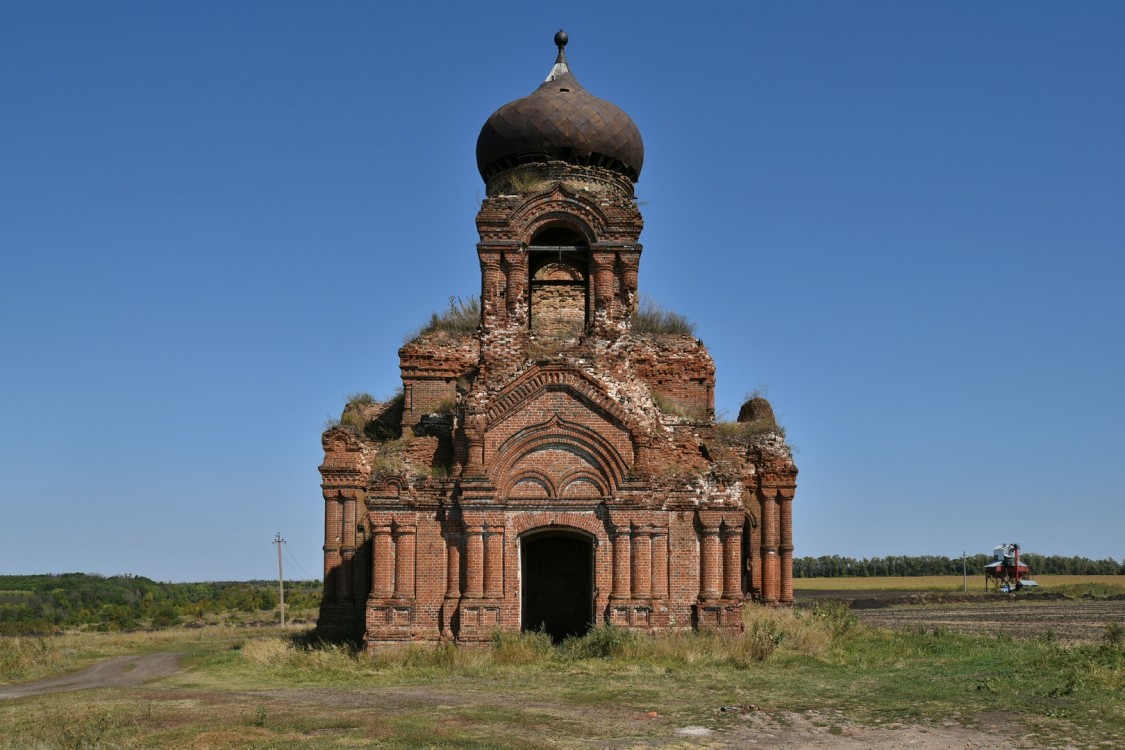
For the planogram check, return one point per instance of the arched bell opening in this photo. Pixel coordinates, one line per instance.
(559, 262)
(557, 582)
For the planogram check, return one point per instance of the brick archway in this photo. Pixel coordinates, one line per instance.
(557, 572)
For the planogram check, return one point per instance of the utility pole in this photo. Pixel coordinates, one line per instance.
(280, 578)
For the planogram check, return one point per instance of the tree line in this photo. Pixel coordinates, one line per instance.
(48, 603)
(835, 566)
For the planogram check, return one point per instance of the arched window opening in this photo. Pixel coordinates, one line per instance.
(559, 268)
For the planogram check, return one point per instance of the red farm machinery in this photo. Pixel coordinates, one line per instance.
(1006, 570)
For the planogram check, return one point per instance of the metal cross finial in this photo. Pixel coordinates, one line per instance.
(561, 66)
(560, 41)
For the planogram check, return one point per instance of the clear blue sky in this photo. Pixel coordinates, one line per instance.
(218, 219)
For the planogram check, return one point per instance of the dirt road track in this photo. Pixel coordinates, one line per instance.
(753, 728)
(121, 671)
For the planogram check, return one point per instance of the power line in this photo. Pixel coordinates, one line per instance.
(293, 560)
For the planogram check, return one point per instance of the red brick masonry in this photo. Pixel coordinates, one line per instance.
(553, 422)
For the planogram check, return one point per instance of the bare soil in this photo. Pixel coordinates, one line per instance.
(730, 727)
(1017, 616)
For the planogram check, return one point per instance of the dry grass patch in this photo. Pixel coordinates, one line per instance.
(26, 658)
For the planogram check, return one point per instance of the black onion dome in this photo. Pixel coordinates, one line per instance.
(560, 120)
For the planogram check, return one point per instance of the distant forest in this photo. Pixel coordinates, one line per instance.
(48, 603)
(834, 566)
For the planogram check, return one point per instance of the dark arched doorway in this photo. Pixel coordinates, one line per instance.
(557, 578)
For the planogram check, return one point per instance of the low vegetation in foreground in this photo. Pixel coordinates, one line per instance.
(607, 689)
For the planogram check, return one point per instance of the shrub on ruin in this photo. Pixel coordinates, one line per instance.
(360, 399)
(461, 316)
(650, 318)
(668, 405)
(738, 433)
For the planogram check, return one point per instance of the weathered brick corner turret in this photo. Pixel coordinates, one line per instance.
(553, 460)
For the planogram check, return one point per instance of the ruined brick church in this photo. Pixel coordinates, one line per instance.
(557, 463)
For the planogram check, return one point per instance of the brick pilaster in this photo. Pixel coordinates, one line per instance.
(404, 537)
(710, 558)
(732, 561)
(383, 561)
(785, 501)
(642, 563)
(453, 565)
(622, 543)
(474, 561)
(494, 562)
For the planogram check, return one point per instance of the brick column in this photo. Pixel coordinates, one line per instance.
(332, 515)
(453, 565)
(490, 282)
(343, 585)
(517, 276)
(786, 547)
(404, 562)
(621, 562)
(771, 563)
(474, 561)
(660, 564)
(347, 545)
(732, 561)
(642, 564)
(474, 436)
(756, 563)
(382, 561)
(710, 561)
(629, 264)
(494, 563)
(332, 559)
(603, 282)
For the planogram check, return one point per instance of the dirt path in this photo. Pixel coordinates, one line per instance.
(121, 671)
(740, 727)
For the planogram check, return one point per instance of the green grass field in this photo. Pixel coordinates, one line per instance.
(245, 688)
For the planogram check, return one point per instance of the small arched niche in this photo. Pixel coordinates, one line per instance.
(559, 259)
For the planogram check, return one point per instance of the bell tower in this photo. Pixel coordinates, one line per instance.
(559, 230)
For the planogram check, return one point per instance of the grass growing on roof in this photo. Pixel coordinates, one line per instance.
(461, 316)
(650, 318)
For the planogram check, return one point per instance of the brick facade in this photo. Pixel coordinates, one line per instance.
(532, 474)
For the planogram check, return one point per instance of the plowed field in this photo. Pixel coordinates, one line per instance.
(1019, 617)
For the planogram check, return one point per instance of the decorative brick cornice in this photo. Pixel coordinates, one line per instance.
(539, 378)
(509, 219)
